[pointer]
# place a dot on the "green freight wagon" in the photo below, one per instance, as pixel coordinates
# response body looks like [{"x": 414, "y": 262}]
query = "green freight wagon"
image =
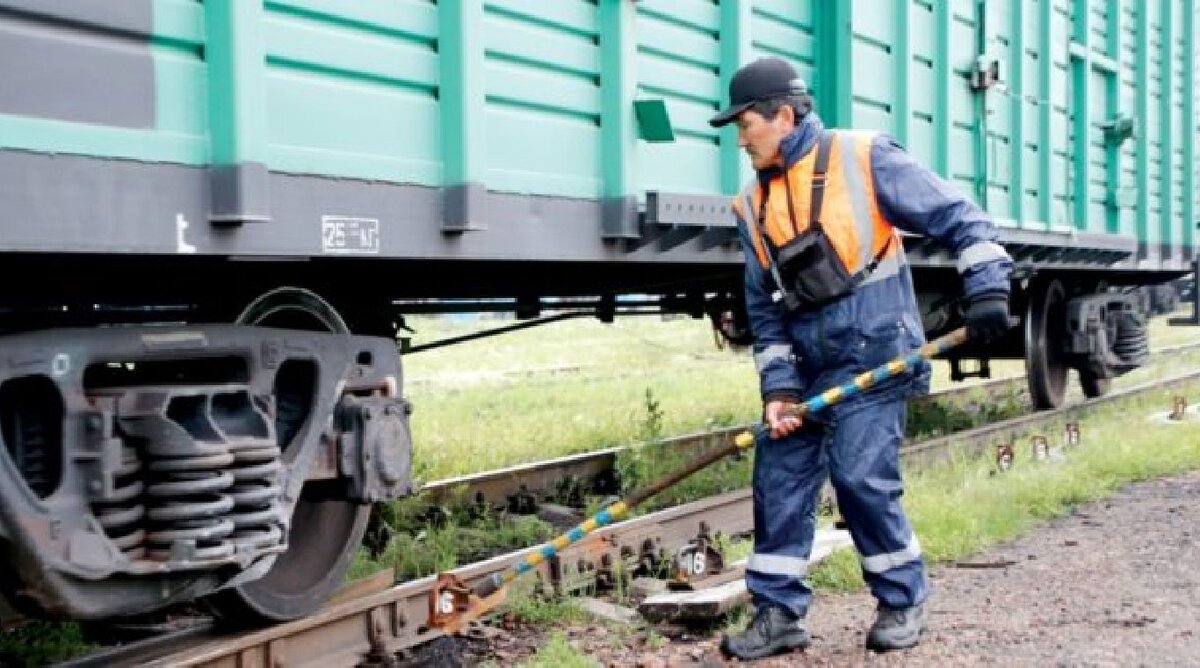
[{"x": 214, "y": 216}]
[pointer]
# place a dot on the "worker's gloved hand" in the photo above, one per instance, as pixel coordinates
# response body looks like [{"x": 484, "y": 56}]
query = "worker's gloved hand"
[
  {"x": 987, "y": 316},
  {"x": 780, "y": 423}
]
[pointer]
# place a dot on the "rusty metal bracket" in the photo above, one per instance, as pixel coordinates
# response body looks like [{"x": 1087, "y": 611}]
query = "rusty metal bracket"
[
  {"x": 696, "y": 563},
  {"x": 1179, "y": 406},
  {"x": 452, "y": 604},
  {"x": 1071, "y": 434}
]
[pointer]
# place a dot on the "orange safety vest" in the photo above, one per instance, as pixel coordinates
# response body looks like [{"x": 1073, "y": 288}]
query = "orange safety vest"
[{"x": 850, "y": 214}]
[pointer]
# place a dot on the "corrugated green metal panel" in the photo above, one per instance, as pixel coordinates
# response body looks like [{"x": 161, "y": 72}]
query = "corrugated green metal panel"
[
  {"x": 678, "y": 54},
  {"x": 923, "y": 85},
  {"x": 1155, "y": 210},
  {"x": 1088, "y": 152},
  {"x": 1174, "y": 173},
  {"x": 1189, "y": 115},
  {"x": 1028, "y": 98},
  {"x": 1027, "y": 105},
  {"x": 542, "y": 74},
  {"x": 1000, "y": 124},
  {"x": 176, "y": 41},
  {"x": 1061, "y": 120},
  {"x": 906, "y": 64},
  {"x": 537, "y": 97},
  {"x": 873, "y": 101},
  {"x": 962, "y": 136},
  {"x": 1128, "y": 216},
  {"x": 350, "y": 89},
  {"x": 181, "y": 100},
  {"x": 787, "y": 29}
]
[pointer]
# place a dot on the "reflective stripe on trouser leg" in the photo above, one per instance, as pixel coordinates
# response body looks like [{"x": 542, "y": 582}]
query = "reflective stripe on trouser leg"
[
  {"x": 788, "y": 475},
  {"x": 864, "y": 466}
]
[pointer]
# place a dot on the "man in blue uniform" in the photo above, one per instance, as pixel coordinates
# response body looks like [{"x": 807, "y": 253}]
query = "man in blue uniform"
[{"x": 830, "y": 295}]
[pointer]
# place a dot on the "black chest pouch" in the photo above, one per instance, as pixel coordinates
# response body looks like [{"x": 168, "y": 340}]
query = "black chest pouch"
[
  {"x": 810, "y": 269},
  {"x": 806, "y": 270}
]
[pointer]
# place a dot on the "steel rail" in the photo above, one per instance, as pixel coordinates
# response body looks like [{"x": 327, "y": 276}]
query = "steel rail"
[
  {"x": 390, "y": 621},
  {"x": 543, "y": 476},
  {"x": 387, "y": 622}
]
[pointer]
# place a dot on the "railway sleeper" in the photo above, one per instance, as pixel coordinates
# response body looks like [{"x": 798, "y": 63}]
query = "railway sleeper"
[{"x": 144, "y": 466}]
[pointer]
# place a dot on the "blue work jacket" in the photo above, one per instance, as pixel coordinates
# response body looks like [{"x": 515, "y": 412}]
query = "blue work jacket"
[{"x": 804, "y": 353}]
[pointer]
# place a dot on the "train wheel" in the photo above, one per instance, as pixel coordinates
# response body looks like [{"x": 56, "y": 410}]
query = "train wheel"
[
  {"x": 1045, "y": 365},
  {"x": 325, "y": 530}
]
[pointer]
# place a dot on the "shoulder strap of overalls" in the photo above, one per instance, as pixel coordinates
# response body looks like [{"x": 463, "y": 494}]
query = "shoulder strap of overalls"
[{"x": 824, "y": 144}]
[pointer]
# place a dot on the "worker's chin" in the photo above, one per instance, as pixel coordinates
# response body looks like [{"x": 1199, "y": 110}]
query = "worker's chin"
[{"x": 758, "y": 163}]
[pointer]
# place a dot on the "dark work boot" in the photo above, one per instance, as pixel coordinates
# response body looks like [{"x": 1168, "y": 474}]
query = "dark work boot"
[
  {"x": 772, "y": 630},
  {"x": 897, "y": 629}
]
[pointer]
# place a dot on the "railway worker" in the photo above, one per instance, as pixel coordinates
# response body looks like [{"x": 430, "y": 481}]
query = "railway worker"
[{"x": 830, "y": 295}]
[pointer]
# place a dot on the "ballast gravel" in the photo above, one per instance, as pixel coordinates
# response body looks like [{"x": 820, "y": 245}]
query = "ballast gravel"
[{"x": 1115, "y": 583}]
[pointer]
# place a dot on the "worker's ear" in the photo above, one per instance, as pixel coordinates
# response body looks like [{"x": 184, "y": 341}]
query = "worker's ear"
[{"x": 785, "y": 118}]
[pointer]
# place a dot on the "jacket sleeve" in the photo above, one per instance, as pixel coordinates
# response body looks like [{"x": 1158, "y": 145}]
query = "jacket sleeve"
[
  {"x": 918, "y": 200},
  {"x": 773, "y": 355}
]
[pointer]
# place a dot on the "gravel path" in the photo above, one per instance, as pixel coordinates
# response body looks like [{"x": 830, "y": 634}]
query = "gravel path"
[{"x": 1115, "y": 583}]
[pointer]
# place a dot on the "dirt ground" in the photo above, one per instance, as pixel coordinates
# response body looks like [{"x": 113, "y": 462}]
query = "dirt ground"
[{"x": 1115, "y": 583}]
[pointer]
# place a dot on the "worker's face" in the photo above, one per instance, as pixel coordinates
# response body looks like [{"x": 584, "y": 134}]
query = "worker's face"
[{"x": 761, "y": 138}]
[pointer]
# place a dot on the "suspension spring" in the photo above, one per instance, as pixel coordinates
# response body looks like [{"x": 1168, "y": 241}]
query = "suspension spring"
[
  {"x": 256, "y": 516},
  {"x": 188, "y": 505},
  {"x": 1133, "y": 342},
  {"x": 122, "y": 512},
  {"x": 32, "y": 434}
]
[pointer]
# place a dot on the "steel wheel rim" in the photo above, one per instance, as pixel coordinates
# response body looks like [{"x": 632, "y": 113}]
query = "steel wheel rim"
[
  {"x": 324, "y": 531},
  {"x": 1045, "y": 363}
]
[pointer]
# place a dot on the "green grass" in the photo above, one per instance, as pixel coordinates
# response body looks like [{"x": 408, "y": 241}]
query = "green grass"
[
  {"x": 965, "y": 507},
  {"x": 527, "y": 603},
  {"x": 425, "y": 542},
  {"x": 42, "y": 643},
  {"x": 485, "y": 404},
  {"x": 543, "y": 611},
  {"x": 559, "y": 653},
  {"x": 580, "y": 385}
]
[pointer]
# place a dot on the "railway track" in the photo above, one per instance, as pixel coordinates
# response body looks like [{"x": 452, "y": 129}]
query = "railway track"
[
  {"x": 499, "y": 487},
  {"x": 372, "y": 629}
]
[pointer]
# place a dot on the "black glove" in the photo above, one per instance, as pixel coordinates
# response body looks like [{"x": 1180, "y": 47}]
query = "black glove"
[{"x": 987, "y": 316}]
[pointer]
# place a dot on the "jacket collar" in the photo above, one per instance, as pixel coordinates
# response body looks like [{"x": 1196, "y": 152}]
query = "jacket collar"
[{"x": 795, "y": 145}]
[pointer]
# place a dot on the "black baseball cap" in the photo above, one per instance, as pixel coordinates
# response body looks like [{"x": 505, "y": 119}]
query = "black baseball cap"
[{"x": 762, "y": 79}]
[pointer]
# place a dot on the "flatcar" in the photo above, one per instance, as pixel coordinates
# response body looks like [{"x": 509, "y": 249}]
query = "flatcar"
[{"x": 214, "y": 216}]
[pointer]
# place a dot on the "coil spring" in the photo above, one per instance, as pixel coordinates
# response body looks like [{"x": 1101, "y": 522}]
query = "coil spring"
[
  {"x": 30, "y": 442},
  {"x": 1133, "y": 342},
  {"x": 121, "y": 513},
  {"x": 187, "y": 506},
  {"x": 255, "y": 495}
]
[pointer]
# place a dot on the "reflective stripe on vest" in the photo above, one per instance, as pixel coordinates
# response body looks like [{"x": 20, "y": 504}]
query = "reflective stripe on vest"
[{"x": 850, "y": 213}]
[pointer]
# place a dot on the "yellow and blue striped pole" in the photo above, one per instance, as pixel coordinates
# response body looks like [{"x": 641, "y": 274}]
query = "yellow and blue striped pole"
[
  {"x": 743, "y": 441},
  {"x": 607, "y": 516},
  {"x": 866, "y": 380}
]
